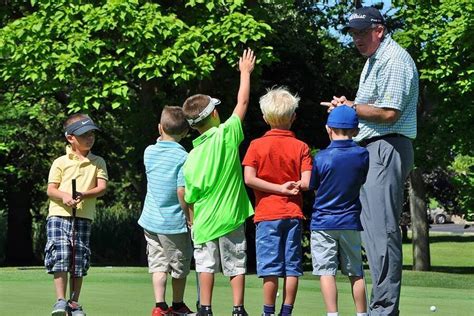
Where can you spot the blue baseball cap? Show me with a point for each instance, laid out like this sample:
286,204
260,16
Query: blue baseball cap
81,127
343,116
363,18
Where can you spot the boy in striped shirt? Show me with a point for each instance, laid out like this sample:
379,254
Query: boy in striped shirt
165,215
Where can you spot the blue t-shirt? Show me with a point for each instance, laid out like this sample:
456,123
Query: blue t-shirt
339,171
162,213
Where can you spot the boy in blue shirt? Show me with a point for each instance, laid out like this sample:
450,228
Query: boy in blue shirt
339,171
165,214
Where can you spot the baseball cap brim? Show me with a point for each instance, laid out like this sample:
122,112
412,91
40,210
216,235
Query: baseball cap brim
81,127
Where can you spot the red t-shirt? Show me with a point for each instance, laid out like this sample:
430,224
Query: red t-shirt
278,157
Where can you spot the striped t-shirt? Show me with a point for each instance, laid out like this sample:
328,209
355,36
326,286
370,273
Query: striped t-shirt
389,80
162,213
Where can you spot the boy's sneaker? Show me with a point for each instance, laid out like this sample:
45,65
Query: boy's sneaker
75,309
157,311
60,308
183,311
240,313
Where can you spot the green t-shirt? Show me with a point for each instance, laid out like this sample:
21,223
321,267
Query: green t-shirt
214,183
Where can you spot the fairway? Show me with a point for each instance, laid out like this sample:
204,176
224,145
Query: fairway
127,291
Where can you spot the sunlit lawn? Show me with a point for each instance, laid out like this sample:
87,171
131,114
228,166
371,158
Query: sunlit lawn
127,291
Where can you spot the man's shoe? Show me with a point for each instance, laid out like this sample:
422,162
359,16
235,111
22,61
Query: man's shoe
157,311
75,309
183,311
60,308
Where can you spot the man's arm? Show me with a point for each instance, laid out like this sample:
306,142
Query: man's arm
366,111
251,180
304,182
246,65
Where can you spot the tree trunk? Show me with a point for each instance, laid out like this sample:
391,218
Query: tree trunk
420,227
19,247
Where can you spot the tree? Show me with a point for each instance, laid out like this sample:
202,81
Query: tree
119,61
439,35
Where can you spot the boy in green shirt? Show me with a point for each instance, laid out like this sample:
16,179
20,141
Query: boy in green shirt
216,193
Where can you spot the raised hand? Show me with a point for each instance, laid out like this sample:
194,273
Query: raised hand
247,61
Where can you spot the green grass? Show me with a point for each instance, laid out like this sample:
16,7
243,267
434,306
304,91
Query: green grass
127,291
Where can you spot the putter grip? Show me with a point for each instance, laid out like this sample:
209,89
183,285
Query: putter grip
74,190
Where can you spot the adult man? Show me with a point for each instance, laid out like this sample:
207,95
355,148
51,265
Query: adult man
386,105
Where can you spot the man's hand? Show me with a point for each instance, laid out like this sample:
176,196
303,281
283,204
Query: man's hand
337,101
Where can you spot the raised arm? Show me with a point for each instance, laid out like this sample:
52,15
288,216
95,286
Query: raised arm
246,65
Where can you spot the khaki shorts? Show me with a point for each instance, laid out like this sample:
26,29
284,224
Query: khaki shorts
169,253
226,253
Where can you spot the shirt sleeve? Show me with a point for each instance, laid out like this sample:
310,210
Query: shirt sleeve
56,172
394,83
233,132
307,160
314,182
102,169
250,158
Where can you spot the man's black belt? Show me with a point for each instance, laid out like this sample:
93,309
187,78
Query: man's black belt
365,142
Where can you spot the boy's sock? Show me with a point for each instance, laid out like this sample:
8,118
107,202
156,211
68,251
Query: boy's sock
333,314
239,310
286,310
205,310
162,305
268,310
177,305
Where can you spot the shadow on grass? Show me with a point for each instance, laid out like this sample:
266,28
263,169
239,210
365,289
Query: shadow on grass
446,269
446,238
452,238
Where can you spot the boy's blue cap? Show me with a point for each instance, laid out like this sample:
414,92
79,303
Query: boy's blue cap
343,116
80,127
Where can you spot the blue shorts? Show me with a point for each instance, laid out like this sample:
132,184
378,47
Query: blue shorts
278,245
58,249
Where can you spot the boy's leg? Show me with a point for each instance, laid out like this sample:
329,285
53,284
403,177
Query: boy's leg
358,293
207,259
270,288
324,253
233,256
179,285
60,284
290,289
329,291
237,283
159,286
77,288
350,252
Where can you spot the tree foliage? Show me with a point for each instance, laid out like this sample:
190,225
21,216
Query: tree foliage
440,36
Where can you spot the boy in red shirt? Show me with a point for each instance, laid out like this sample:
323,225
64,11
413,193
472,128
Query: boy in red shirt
278,167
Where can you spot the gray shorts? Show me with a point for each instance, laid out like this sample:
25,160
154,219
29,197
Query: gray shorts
169,253
226,253
329,248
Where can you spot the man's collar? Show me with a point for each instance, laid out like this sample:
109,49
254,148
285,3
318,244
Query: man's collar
382,47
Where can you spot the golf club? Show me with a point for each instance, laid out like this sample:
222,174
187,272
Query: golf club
73,243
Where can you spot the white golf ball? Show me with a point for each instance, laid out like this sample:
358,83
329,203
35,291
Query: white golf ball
433,308
278,294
